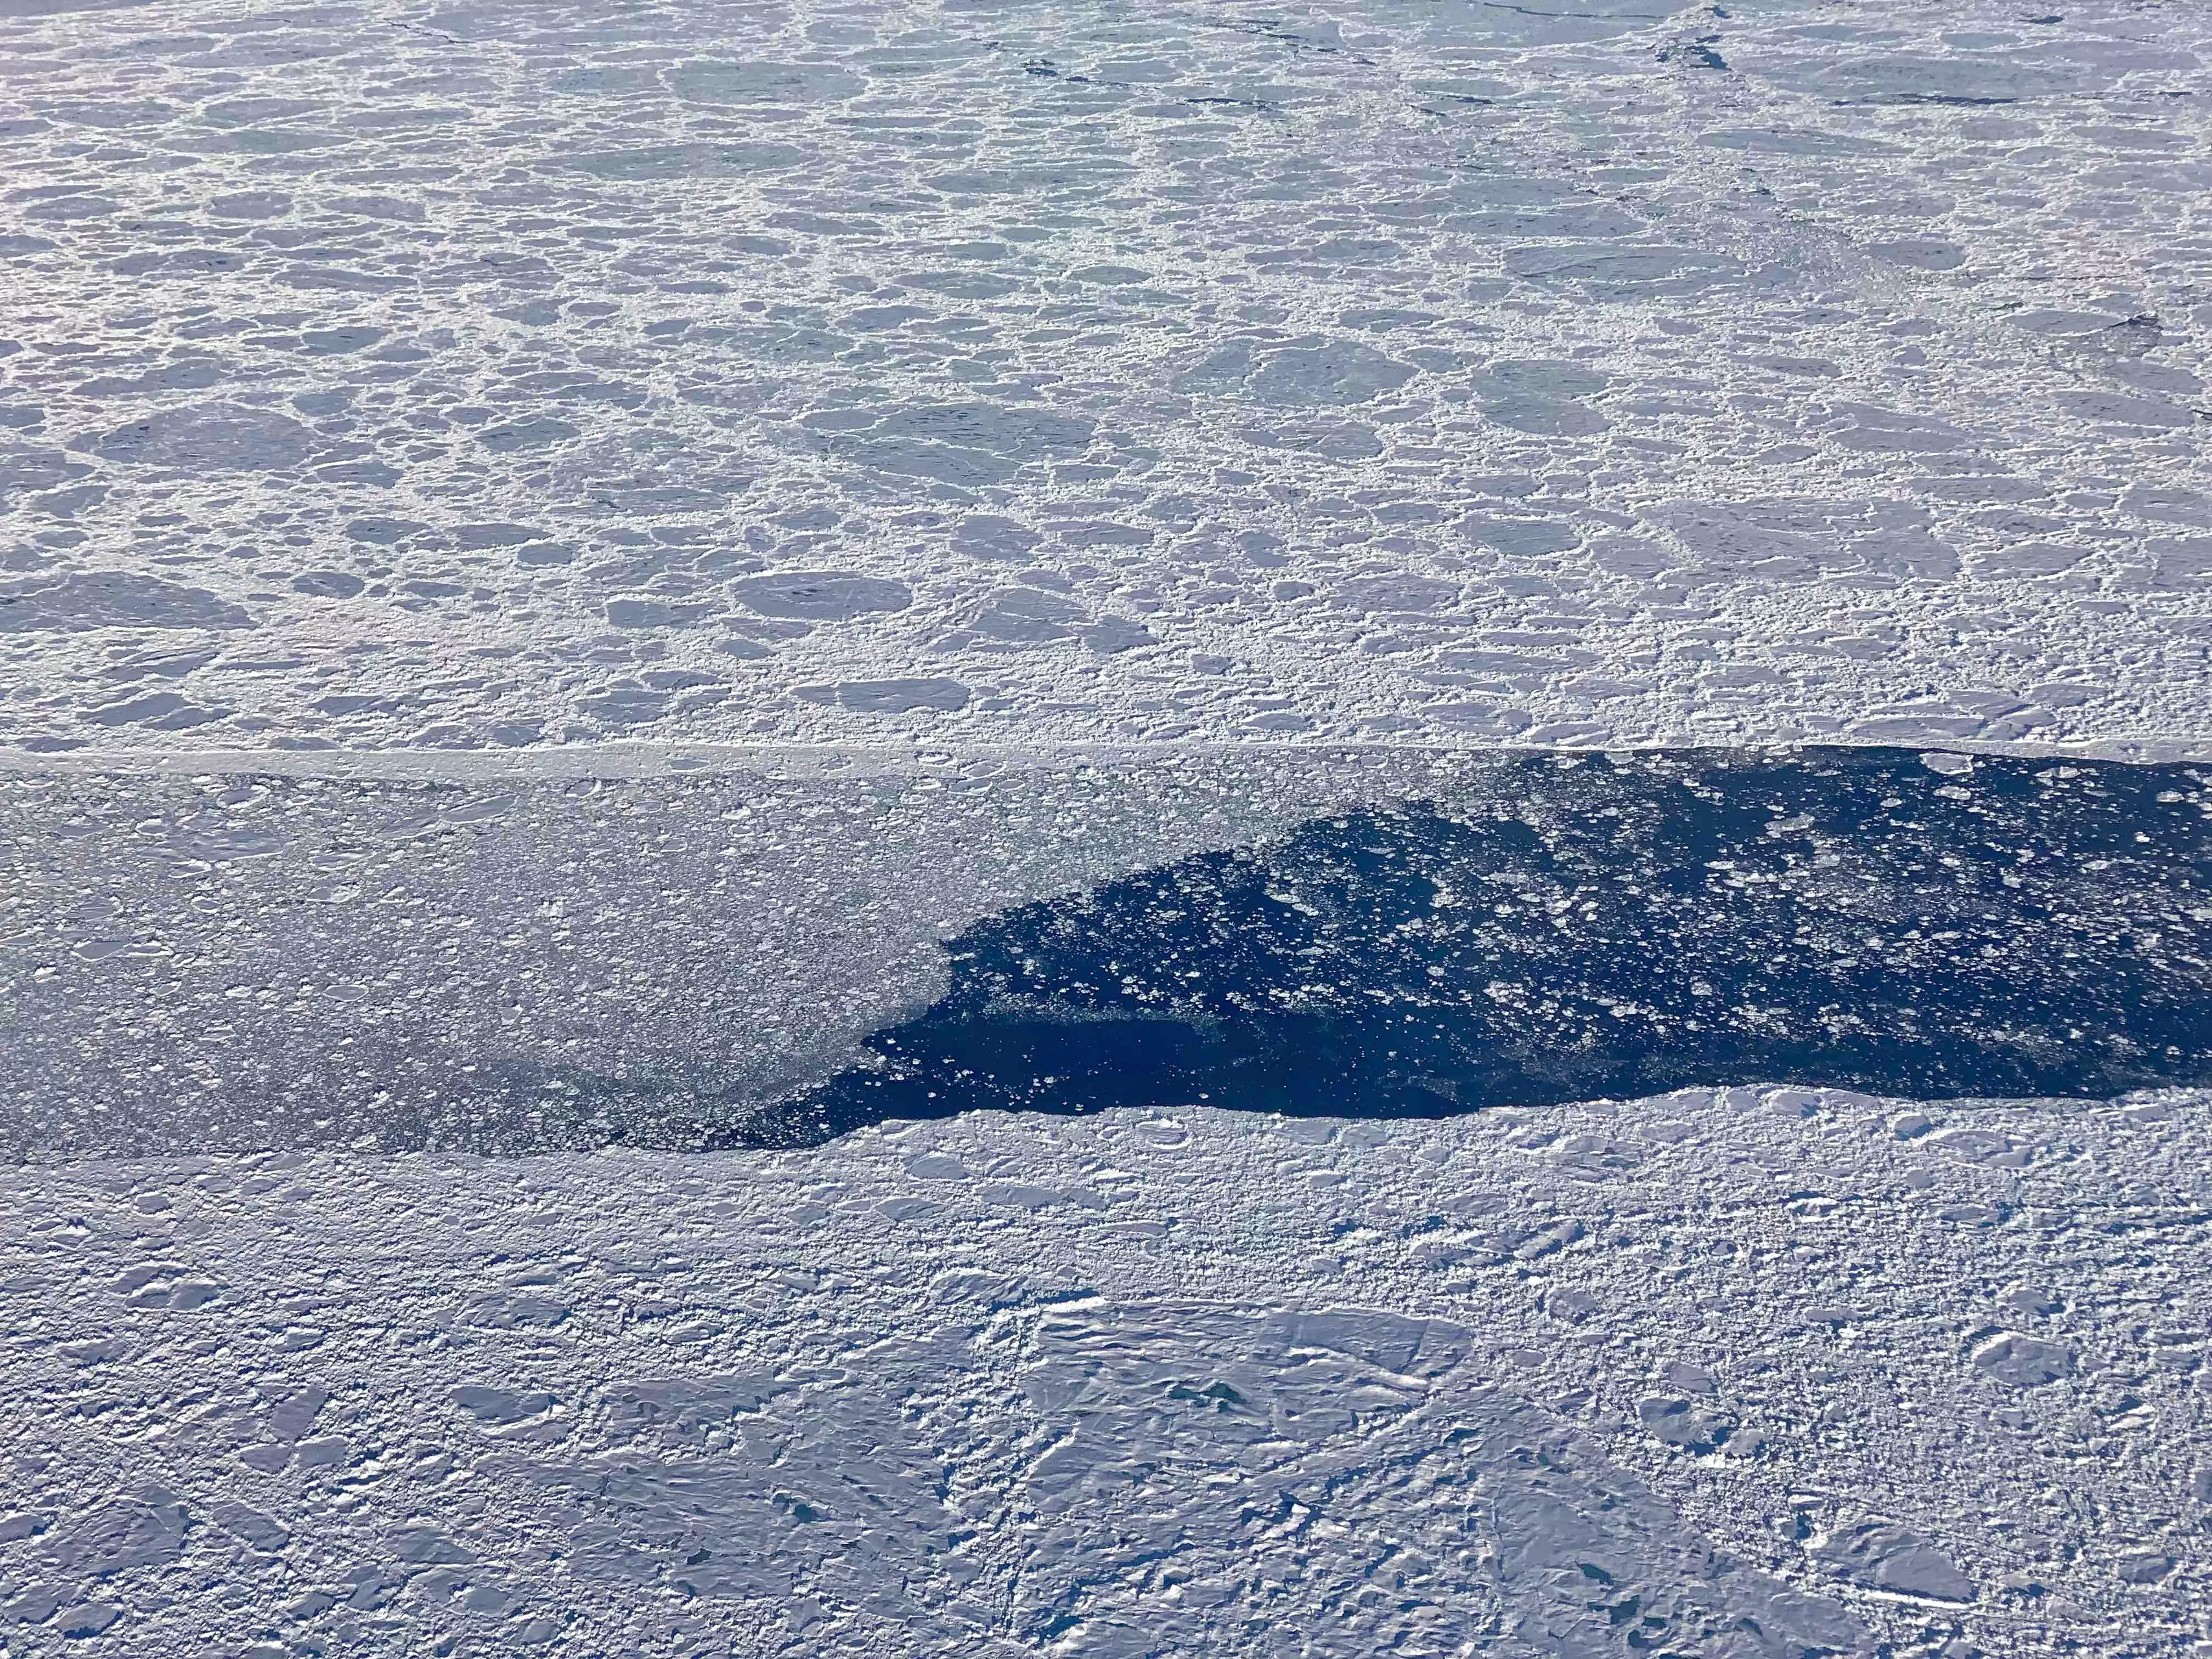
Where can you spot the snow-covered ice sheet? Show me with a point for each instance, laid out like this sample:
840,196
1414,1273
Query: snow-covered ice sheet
587,543
1759,1373
496,374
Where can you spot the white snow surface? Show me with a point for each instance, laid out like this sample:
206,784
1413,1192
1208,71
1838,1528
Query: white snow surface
1753,1372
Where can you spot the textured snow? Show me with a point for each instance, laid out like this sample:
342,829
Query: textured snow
1759,1373
493,375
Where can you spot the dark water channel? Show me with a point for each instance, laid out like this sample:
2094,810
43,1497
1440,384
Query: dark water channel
1848,918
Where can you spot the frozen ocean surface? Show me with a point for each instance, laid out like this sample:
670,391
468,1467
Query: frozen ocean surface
1530,682
489,375
1743,1372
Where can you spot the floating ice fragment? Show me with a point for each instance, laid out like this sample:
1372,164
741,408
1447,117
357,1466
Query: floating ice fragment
705,82
1882,1555
2024,1362
822,595
653,162
2144,1566
221,437
1675,1421
890,697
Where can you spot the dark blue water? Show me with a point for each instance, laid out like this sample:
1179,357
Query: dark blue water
1849,918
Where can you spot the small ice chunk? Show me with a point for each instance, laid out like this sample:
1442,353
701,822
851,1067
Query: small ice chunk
822,595
2024,1362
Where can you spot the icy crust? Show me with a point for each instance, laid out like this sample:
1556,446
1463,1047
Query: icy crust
1753,1372
498,375
190,962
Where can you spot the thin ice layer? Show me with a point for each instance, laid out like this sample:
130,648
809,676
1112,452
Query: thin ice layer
528,957
213,962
